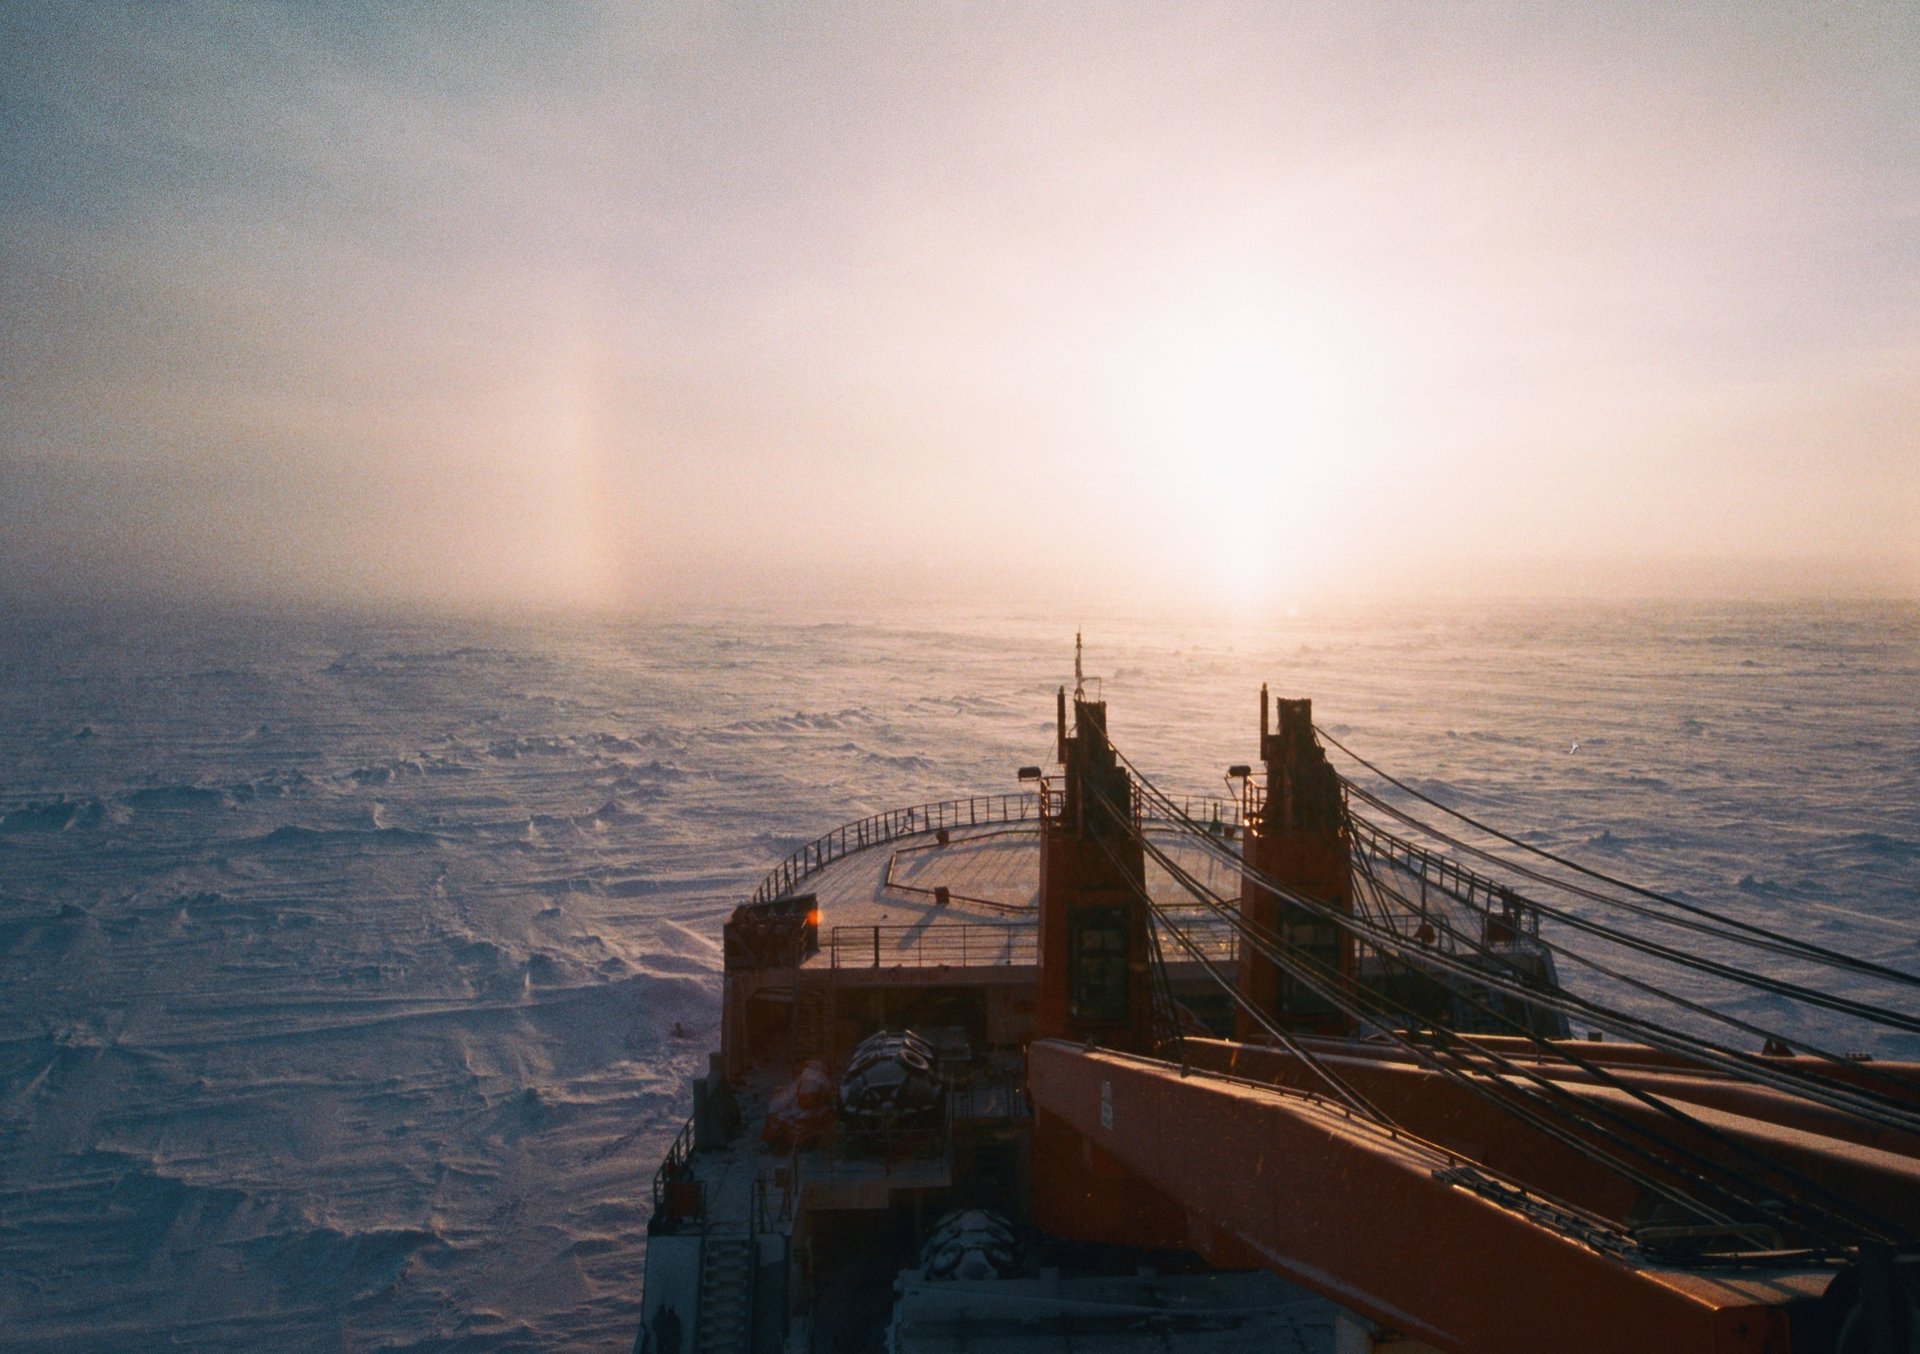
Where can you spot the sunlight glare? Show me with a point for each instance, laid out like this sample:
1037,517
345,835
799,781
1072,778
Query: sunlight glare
1235,442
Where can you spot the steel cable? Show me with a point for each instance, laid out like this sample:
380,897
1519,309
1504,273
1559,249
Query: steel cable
1778,986
1749,1067
1560,1101
1625,979
1793,945
1501,1093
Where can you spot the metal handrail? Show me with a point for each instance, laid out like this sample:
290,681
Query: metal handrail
919,819
881,828
673,1165
1476,892
845,1154
952,944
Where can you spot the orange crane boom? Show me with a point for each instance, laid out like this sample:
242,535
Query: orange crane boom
1387,1225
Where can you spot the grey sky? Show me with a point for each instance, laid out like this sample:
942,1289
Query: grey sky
636,304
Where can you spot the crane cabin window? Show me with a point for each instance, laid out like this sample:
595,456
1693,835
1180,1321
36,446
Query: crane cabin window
1097,964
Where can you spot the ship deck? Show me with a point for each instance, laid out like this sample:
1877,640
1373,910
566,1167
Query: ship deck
972,901
882,907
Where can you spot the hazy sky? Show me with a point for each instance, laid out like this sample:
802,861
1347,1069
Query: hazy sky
638,304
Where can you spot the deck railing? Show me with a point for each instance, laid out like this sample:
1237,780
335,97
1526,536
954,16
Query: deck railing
892,825
953,944
674,1171
974,811
1505,917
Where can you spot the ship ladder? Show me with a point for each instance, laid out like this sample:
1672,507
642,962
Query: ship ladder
726,1293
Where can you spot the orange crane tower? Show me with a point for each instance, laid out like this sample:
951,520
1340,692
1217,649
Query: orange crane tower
1296,832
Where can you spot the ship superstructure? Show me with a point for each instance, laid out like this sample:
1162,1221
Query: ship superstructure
1092,1062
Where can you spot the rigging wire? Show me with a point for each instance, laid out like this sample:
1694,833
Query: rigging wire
1776,939
1779,986
1585,961
1559,1100
1485,1090
1337,1084
1797,1179
1166,1005
1509,1097
1868,1106
1893,1092
1705,1187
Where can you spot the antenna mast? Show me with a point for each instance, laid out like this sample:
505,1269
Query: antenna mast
1079,682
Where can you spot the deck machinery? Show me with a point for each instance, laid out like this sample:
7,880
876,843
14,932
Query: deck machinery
1246,1076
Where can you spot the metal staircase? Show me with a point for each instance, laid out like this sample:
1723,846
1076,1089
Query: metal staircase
726,1293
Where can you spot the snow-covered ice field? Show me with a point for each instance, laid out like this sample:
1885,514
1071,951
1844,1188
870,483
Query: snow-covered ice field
340,961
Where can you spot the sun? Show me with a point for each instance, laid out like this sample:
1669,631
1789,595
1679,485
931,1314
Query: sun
1235,459
1235,411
